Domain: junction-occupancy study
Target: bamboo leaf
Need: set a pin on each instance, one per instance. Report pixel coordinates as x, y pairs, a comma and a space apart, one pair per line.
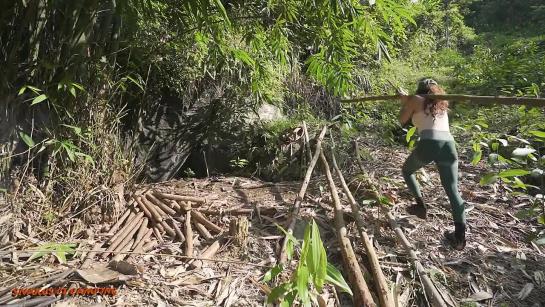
488, 179
335, 277
272, 273
537, 133
302, 284
513, 172
38, 99
410, 134
27, 139
278, 292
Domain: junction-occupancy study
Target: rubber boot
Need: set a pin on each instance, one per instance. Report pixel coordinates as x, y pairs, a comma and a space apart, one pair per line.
419, 209
457, 239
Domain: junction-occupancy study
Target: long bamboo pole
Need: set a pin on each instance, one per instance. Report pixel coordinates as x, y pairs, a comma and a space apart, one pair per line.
362, 295
385, 297
283, 257
533, 102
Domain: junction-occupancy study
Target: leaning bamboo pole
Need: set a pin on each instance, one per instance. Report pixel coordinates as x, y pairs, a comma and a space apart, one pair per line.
431, 292
385, 297
533, 102
362, 295
283, 257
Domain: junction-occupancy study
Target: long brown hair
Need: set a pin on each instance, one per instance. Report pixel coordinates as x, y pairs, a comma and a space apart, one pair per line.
432, 107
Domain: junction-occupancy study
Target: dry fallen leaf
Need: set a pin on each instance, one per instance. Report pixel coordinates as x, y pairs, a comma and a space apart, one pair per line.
525, 291
479, 296
124, 267
99, 275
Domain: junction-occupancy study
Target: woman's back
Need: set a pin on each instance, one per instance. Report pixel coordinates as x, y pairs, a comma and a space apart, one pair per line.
423, 119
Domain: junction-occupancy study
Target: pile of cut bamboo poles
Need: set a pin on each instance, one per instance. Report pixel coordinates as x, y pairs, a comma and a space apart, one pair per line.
152, 217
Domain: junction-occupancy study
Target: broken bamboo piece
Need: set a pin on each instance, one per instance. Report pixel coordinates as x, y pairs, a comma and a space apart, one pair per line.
157, 234
209, 252
126, 236
119, 222
149, 246
152, 209
131, 217
188, 235
430, 290
283, 257
203, 220
385, 296
91, 255
202, 230
198, 200
534, 102
161, 204
362, 295
120, 254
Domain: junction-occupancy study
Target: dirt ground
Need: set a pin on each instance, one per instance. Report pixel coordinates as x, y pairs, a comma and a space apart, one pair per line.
499, 267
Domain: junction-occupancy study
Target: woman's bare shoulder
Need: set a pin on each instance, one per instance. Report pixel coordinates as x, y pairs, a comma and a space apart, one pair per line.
417, 99
416, 102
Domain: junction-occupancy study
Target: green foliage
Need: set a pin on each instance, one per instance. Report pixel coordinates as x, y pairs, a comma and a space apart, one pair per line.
312, 272
504, 65
59, 250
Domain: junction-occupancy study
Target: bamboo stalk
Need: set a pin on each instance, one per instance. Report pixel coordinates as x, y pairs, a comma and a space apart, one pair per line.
120, 253
145, 209
142, 231
131, 217
198, 200
139, 243
385, 297
202, 230
307, 141
157, 234
161, 204
114, 228
362, 295
122, 240
203, 220
171, 232
283, 257
175, 205
431, 291
91, 255
188, 235
128, 228
152, 209
209, 252
179, 233
534, 102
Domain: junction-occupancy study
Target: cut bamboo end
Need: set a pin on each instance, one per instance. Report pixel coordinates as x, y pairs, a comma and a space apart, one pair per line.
208, 253
164, 207
198, 200
188, 235
202, 230
201, 219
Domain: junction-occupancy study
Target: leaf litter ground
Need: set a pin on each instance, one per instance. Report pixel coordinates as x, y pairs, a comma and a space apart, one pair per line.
499, 265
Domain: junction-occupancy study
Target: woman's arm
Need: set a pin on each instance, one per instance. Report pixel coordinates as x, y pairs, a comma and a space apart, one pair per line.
407, 110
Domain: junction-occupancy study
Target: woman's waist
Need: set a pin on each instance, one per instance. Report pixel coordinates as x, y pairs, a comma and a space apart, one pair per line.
433, 134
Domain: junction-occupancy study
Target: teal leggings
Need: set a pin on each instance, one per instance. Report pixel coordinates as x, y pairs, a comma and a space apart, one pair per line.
444, 154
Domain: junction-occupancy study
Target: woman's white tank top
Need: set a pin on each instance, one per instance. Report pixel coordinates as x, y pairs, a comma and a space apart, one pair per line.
423, 121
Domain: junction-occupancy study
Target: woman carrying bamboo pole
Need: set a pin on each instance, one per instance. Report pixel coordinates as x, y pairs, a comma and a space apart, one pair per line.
436, 144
